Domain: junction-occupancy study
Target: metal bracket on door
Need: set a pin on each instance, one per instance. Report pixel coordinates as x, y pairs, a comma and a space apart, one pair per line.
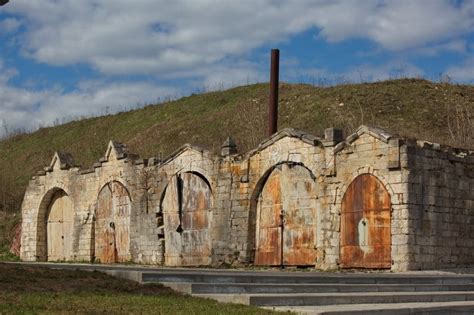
282, 229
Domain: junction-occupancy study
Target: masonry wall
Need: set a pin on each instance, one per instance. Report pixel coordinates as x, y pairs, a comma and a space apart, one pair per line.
386, 160
430, 195
441, 206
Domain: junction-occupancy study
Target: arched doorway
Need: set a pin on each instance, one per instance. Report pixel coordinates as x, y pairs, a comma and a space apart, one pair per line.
112, 224
286, 218
59, 227
186, 208
365, 224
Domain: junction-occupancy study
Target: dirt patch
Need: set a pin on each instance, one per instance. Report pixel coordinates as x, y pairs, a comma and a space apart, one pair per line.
24, 279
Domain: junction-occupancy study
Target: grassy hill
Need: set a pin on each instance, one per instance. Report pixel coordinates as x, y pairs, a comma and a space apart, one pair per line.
437, 112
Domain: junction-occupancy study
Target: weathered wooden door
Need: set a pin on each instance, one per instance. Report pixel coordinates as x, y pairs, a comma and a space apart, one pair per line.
286, 218
60, 227
365, 224
269, 222
112, 237
186, 209
171, 218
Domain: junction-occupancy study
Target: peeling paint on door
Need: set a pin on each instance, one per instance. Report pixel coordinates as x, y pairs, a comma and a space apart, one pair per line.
365, 224
60, 224
286, 218
112, 221
186, 210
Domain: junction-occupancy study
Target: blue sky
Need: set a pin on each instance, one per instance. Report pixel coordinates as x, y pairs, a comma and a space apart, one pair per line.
65, 59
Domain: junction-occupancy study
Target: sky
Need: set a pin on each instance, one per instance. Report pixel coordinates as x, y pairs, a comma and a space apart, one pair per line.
65, 59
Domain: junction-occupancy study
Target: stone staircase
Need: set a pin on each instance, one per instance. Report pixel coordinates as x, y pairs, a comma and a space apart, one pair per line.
322, 293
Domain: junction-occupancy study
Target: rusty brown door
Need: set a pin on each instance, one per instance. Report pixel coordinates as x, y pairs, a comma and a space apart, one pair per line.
269, 230
59, 227
186, 210
112, 237
365, 224
286, 218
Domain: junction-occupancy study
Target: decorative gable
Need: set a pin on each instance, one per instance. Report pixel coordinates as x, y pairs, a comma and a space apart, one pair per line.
61, 161
115, 151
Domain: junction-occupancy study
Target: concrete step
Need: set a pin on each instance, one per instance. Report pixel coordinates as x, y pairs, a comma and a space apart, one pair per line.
241, 288
313, 299
432, 308
259, 277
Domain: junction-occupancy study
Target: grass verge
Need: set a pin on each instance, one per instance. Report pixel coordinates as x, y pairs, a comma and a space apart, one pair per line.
37, 290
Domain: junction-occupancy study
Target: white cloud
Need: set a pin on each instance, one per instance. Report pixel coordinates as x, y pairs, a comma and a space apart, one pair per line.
395, 69
221, 77
162, 37
454, 46
387, 71
204, 43
27, 109
9, 25
463, 72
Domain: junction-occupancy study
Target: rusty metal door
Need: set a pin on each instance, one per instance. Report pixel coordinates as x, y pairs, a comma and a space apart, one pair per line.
365, 224
286, 218
112, 237
186, 209
59, 227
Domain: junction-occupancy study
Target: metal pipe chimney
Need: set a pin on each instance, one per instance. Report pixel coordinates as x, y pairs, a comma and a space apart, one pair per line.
273, 101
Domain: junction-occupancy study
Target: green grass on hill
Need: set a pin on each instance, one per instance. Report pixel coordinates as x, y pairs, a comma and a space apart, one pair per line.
436, 112
36, 290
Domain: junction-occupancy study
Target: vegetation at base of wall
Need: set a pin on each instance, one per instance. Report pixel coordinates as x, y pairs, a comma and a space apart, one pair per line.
36, 290
7, 223
437, 112
6, 255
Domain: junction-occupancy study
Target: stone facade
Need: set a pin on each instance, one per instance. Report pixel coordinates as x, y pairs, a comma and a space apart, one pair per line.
371, 200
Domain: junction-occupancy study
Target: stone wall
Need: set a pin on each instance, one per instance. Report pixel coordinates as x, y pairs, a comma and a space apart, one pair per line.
283, 203
441, 206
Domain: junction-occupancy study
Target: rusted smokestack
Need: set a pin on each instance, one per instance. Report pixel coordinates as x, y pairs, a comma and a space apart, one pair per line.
273, 102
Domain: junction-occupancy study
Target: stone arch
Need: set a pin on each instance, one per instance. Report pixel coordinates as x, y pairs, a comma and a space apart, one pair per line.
111, 228
367, 169
54, 230
283, 217
365, 233
186, 205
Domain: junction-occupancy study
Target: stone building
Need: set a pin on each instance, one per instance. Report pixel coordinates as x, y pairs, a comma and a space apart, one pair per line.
371, 200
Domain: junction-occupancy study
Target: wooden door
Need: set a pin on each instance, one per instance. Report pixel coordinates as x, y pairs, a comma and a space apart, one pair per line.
186, 211
121, 216
196, 209
60, 227
299, 204
269, 230
365, 225
286, 218
112, 237
172, 223
104, 228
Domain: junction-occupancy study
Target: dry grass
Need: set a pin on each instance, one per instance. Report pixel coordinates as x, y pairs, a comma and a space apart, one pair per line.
36, 290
